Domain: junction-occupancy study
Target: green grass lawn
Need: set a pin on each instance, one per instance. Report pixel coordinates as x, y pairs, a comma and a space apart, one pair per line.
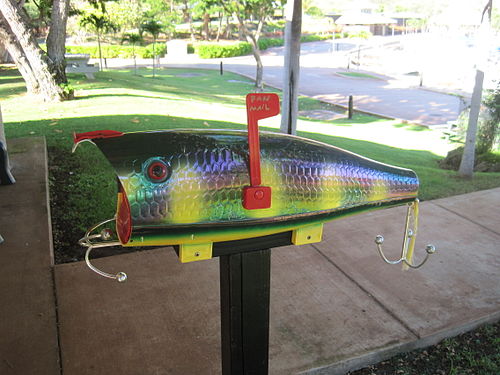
357, 75
82, 184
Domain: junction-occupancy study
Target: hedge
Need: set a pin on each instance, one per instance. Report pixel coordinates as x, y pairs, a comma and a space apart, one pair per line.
204, 50
113, 51
213, 50
265, 43
314, 38
361, 34
210, 51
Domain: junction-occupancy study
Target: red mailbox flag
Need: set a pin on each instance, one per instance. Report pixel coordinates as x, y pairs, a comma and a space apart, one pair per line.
259, 106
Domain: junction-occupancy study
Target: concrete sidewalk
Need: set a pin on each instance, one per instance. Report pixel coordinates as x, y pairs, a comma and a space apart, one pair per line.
28, 327
335, 305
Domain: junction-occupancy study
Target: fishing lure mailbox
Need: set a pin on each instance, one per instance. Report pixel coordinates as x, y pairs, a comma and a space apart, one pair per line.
193, 188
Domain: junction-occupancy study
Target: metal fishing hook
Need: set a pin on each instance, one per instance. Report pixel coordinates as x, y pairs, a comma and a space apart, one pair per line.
409, 238
89, 241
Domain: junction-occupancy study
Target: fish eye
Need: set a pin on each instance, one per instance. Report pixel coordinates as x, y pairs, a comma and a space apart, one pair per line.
157, 171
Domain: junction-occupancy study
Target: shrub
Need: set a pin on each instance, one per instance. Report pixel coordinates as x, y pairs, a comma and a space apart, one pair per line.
211, 51
361, 34
204, 50
314, 11
147, 52
273, 26
124, 52
265, 43
90, 50
488, 123
483, 162
489, 134
313, 38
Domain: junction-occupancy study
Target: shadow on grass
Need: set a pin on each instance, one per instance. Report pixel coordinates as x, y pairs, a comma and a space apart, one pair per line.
412, 127
209, 87
11, 82
92, 96
59, 133
8, 71
7, 92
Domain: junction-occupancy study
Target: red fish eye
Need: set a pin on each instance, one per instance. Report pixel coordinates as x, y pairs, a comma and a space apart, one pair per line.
158, 171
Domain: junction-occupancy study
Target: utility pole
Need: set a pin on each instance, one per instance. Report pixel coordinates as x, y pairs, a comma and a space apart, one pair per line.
290, 103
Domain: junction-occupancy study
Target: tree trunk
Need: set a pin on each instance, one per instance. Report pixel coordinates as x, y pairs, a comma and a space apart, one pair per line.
259, 84
191, 28
291, 72
219, 29
206, 26
260, 25
17, 54
99, 48
154, 56
49, 90
252, 39
56, 40
135, 59
228, 27
467, 163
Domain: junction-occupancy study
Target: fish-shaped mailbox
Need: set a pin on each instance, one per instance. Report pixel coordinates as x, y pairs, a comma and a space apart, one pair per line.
188, 187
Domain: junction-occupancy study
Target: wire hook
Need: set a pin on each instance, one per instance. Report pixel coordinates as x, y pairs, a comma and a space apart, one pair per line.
89, 241
409, 239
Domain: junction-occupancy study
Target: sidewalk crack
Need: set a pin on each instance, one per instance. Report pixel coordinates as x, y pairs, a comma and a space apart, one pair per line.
58, 332
377, 301
466, 218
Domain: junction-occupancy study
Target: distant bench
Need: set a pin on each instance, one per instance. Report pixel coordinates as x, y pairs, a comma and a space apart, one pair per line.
79, 63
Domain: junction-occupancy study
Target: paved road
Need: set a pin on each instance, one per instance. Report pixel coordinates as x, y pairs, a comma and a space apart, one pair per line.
389, 96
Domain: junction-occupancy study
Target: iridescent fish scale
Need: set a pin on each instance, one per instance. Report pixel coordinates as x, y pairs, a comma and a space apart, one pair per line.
208, 171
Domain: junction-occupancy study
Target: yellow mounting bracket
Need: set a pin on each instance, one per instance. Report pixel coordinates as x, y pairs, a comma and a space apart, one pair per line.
193, 252
308, 234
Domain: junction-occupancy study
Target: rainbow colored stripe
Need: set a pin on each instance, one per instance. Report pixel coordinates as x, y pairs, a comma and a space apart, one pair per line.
185, 186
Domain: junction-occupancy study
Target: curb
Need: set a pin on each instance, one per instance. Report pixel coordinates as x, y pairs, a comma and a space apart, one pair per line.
356, 363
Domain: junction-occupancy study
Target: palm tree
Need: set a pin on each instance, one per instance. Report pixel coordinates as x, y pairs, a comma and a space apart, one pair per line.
99, 24
133, 39
154, 28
